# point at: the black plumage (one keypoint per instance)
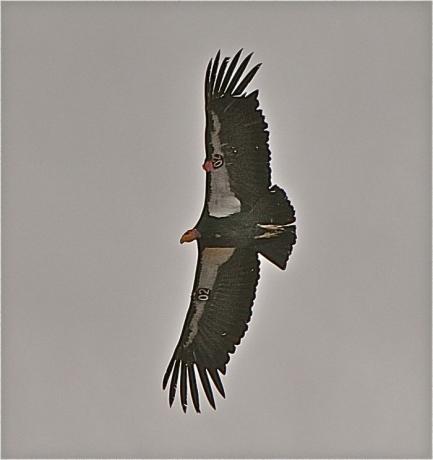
(243, 216)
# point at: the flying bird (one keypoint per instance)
(243, 215)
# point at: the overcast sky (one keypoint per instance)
(103, 138)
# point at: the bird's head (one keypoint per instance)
(190, 235)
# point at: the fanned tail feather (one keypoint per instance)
(277, 249)
(276, 236)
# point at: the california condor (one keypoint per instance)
(243, 215)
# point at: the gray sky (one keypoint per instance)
(103, 128)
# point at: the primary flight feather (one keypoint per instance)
(243, 215)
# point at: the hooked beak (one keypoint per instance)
(190, 235)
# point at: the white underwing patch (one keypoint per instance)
(222, 201)
(211, 260)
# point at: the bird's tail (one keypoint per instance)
(275, 233)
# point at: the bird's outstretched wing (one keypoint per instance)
(220, 308)
(236, 138)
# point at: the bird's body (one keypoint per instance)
(244, 215)
(231, 231)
